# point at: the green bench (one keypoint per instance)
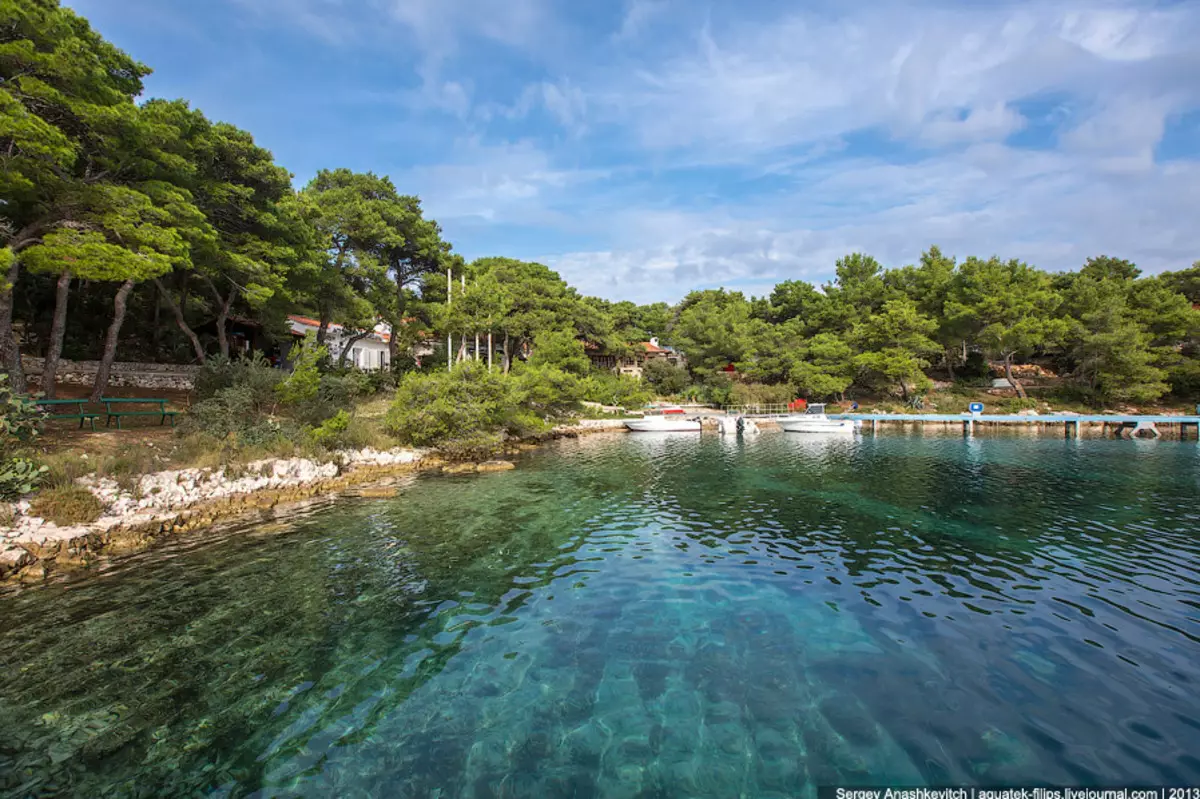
(113, 409)
(65, 405)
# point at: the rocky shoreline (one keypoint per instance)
(171, 502)
(162, 504)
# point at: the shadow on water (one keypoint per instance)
(643, 616)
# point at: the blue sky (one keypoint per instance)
(648, 147)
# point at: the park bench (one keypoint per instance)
(113, 409)
(67, 409)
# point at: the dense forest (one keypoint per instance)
(139, 229)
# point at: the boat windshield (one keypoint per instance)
(815, 409)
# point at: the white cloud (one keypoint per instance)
(746, 146)
(507, 183)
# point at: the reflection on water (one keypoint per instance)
(644, 616)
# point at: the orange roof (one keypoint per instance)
(652, 347)
(304, 320)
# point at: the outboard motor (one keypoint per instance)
(741, 424)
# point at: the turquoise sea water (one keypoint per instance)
(643, 616)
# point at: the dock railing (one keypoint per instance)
(760, 410)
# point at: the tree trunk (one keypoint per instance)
(1012, 379)
(110, 341)
(323, 326)
(393, 345)
(177, 310)
(357, 337)
(62, 297)
(155, 333)
(401, 307)
(223, 304)
(183, 294)
(507, 357)
(489, 350)
(10, 351)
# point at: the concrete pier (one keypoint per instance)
(1113, 425)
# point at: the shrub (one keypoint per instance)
(19, 476)
(432, 408)
(546, 389)
(20, 419)
(759, 394)
(239, 411)
(63, 469)
(976, 368)
(562, 350)
(219, 373)
(305, 380)
(715, 389)
(341, 388)
(610, 389)
(329, 432)
(476, 446)
(67, 505)
(666, 378)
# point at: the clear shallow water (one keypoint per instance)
(644, 616)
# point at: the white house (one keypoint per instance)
(369, 354)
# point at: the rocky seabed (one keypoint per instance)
(169, 502)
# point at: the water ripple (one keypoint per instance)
(644, 615)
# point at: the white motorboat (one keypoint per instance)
(814, 420)
(671, 420)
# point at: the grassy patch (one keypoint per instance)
(67, 505)
(64, 468)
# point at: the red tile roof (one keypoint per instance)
(304, 320)
(652, 347)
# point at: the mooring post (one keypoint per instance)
(968, 427)
(874, 427)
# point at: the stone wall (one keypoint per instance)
(132, 374)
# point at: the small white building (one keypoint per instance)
(369, 354)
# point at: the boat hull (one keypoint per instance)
(657, 425)
(801, 425)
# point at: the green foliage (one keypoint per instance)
(20, 420)
(330, 431)
(1007, 307)
(1113, 354)
(220, 372)
(713, 329)
(238, 400)
(473, 404)
(305, 380)
(824, 367)
(67, 505)
(19, 476)
(621, 390)
(666, 378)
(759, 394)
(561, 350)
(713, 389)
(430, 409)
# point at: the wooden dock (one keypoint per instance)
(1112, 425)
